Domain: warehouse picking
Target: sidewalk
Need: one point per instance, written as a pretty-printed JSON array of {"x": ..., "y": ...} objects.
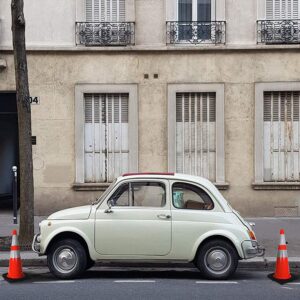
[{"x": 266, "y": 229}]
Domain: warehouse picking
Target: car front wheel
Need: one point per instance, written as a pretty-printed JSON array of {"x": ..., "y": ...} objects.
[
  {"x": 217, "y": 259},
  {"x": 67, "y": 259}
]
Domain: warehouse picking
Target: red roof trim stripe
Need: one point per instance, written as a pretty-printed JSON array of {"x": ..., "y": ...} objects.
[{"x": 148, "y": 173}]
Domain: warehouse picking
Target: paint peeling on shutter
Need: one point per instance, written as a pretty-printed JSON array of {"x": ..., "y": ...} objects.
[
  {"x": 106, "y": 136},
  {"x": 281, "y": 136},
  {"x": 196, "y": 134}
]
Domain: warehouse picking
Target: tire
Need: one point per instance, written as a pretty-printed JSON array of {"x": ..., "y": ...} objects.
[
  {"x": 67, "y": 259},
  {"x": 90, "y": 263},
  {"x": 217, "y": 259}
]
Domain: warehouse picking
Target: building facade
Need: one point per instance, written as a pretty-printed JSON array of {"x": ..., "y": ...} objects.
[{"x": 205, "y": 87}]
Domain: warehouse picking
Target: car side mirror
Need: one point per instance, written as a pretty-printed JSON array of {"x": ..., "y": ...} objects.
[{"x": 110, "y": 204}]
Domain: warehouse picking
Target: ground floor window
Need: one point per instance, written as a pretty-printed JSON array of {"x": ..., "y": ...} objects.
[
  {"x": 106, "y": 136},
  {"x": 196, "y": 130},
  {"x": 277, "y": 134},
  {"x": 106, "y": 132},
  {"x": 196, "y": 134},
  {"x": 281, "y": 136}
]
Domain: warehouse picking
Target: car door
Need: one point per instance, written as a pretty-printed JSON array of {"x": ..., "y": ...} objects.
[
  {"x": 139, "y": 222},
  {"x": 194, "y": 213}
]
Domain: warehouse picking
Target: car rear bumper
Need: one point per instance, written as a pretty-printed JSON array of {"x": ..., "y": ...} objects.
[{"x": 252, "y": 249}]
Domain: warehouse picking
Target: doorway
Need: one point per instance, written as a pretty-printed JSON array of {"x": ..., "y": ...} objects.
[{"x": 9, "y": 152}]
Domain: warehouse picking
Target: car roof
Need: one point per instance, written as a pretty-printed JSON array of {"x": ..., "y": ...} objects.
[
  {"x": 169, "y": 176},
  {"x": 178, "y": 176}
]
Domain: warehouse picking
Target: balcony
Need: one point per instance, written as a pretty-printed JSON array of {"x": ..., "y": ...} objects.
[
  {"x": 196, "y": 32},
  {"x": 278, "y": 31},
  {"x": 105, "y": 33}
]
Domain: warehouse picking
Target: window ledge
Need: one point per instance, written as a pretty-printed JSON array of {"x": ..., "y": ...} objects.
[
  {"x": 158, "y": 48},
  {"x": 276, "y": 186},
  {"x": 222, "y": 186},
  {"x": 91, "y": 186}
]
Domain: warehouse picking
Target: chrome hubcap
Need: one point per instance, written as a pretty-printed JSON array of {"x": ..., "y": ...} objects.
[
  {"x": 217, "y": 260},
  {"x": 65, "y": 259}
]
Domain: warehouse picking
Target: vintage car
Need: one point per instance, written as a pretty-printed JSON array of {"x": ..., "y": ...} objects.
[{"x": 149, "y": 217}]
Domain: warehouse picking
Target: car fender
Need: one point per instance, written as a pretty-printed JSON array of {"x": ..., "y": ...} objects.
[
  {"x": 65, "y": 229},
  {"x": 224, "y": 233}
]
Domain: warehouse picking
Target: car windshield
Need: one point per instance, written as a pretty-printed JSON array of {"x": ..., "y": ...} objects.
[{"x": 106, "y": 192}]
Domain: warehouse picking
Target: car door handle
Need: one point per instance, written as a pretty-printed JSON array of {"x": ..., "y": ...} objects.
[{"x": 162, "y": 216}]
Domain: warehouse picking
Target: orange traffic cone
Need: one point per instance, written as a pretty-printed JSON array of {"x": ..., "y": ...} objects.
[
  {"x": 282, "y": 270},
  {"x": 15, "y": 263}
]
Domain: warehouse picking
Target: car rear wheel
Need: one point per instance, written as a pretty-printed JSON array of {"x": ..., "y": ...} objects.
[
  {"x": 67, "y": 259},
  {"x": 217, "y": 259}
]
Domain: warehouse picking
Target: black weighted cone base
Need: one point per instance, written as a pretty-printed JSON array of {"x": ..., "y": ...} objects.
[
  {"x": 13, "y": 280},
  {"x": 282, "y": 281}
]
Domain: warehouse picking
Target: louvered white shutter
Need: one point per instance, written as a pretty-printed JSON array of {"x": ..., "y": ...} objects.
[
  {"x": 105, "y": 10},
  {"x": 196, "y": 134},
  {"x": 106, "y": 136},
  {"x": 281, "y": 136},
  {"x": 282, "y": 9}
]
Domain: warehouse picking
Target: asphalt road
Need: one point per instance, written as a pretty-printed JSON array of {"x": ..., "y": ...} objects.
[{"x": 131, "y": 283}]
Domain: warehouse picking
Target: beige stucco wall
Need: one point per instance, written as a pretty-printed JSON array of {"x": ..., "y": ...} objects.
[
  {"x": 53, "y": 76},
  {"x": 51, "y": 23}
]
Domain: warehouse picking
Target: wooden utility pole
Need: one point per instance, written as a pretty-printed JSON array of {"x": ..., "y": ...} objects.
[{"x": 24, "y": 123}]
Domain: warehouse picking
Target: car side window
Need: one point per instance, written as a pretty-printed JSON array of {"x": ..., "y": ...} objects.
[
  {"x": 188, "y": 196},
  {"x": 142, "y": 194},
  {"x": 121, "y": 196},
  {"x": 148, "y": 194}
]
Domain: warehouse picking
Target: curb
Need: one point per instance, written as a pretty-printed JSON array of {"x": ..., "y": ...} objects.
[{"x": 267, "y": 264}]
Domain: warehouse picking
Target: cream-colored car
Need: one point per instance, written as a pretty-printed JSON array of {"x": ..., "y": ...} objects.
[{"x": 153, "y": 217}]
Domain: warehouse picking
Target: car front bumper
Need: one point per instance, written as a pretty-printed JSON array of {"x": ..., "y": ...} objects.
[
  {"x": 36, "y": 243},
  {"x": 252, "y": 249}
]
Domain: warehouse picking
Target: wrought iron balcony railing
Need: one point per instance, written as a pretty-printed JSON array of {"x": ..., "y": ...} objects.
[
  {"x": 196, "y": 32},
  {"x": 278, "y": 31},
  {"x": 105, "y": 33}
]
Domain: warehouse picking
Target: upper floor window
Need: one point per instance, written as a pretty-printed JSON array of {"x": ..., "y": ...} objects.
[
  {"x": 105, "y": 24},
  {"x": 198, "y": 11},
  {"x": 281, "y": 24},
  {"x": 195, "y": 10},
  {"x": 196, "y": 23},
  {"x": 282, "y": 9},
  {"x": 105, "y": 10}
]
